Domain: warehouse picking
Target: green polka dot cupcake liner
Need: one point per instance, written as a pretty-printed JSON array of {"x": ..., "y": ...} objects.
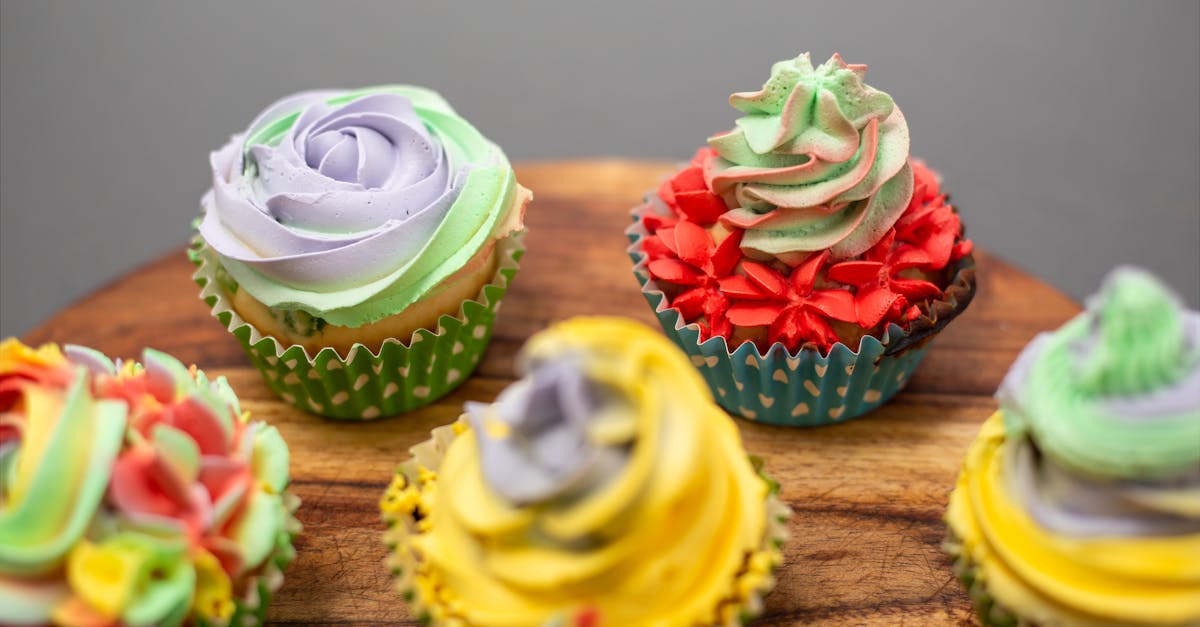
[
  {"x": 365, "y": 385},
  {"x": 795, "y": 389}
]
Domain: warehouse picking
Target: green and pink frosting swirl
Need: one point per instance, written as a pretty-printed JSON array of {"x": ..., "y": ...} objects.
[
  {"x": 818, "y": 162},
  {"x": 132, "y": 494}
]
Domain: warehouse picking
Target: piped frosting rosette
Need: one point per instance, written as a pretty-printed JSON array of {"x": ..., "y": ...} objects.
[
  {"x": 576, "y": 498},
  {"x": 340, "y": 209},
  {"x": 819, "y": 161},
  {"x": 135, "y": 494},
  {"x": 1079, "y": 502},
  {"x": 805, "y": 229}
]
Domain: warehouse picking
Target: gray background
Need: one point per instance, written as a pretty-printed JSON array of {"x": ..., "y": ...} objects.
[{"x": 1067, "y": 131}]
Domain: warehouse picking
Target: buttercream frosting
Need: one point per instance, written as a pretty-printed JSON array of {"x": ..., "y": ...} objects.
[
  {"x": 139, "y": 494},
  {"x": 1079, "y": 503},
  {"x": 819, "y": 161},
  {"x": 808, "y": 224},
  {"x": 352, "y": 205},
  {"x": 578, "y": 495}
]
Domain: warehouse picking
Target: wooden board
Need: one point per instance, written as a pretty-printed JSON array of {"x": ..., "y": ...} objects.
[{"x": 868, "y": 494}]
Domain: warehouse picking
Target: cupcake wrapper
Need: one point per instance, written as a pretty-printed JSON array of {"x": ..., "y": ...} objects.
[
  {"x": 804, "y": 388},
  {"x": 402, "y": 562},
  {"x": 364, "y": 385},
  {"x": 987, "y": 610}
]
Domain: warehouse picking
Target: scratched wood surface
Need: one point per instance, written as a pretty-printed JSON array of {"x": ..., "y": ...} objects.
[{"x": 868, "y": 494}]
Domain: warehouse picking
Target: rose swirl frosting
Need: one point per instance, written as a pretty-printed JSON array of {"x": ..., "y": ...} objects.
[
  {"x": 353, "y": 205},
  {"x": 819, "y": 161}
]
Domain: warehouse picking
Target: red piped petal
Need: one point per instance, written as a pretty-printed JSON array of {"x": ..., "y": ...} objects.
[
  {"x": 653, "y": 222},
  {"x": 915, "y": 289},
  {"x": 805, "y": 275},
  {"x": 819, "y": 330},
  {"x": 753, "y": 314},
  {"x": 872, "y": 304},
  {"x": 727, "y": 255},
  {"x": 667, "y": 237},
  {"x": 690, "y": 179},
  {"x": 654, "y": 248},
  {"x": 700, "y": 206},
  {"x": 694, "y": 245},
  {"x": 739, "y": 287},
  {"x": 674, "y": 271},
  {"x": 771, "y": 281},
  {"x": 690, "y": 304},
  {"x": 906, "y": 256},
  {"x": 837, "y": 304},
  {"x": 789, "y": 328},
  {"x": 667, "y": 193},
  {"x": 855, "y": 272},
  {"x": 882, "y": 249}
]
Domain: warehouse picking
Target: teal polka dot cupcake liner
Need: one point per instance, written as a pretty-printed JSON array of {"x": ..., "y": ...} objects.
[
  {"x": 795, "y": 389},
  {"x": 365, "y": 385}
]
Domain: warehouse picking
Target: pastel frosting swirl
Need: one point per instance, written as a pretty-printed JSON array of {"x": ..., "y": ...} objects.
[
  {"x": 353, "y": 205},
  {"x": 50, "y": 414},
  {"x": 1114, "y": 393},
  {"x": 819, "y": 161},
  {"x": 580, "y": 496},
  {"x": 1080, "y": 500},
  {"x": 131, "y": 494}
]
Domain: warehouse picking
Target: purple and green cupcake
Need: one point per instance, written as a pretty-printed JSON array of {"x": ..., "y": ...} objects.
[{"x": 357, "y": 244}]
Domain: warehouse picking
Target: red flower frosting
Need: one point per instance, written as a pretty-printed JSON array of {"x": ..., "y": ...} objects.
[
  {"x": 794, "y": 311},
  {"x": 686, "y": 255},
  {"x": 721, "y": 290},
  {"x": 689, "y": 197}
]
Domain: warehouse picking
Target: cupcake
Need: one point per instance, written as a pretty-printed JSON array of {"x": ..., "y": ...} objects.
[
  {"x": 602, "y": 488},
  {"x": 135, "y": 494},
  {"x": 1079, "y": 502},
  {"x": 803, "y": 260},
  {"x": 357, "y": 245}
]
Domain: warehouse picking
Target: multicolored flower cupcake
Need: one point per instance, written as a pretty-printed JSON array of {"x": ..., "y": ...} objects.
[
  {"x": 802, "y": 259},
  {"x": 357, "y": 244},
  {"x": 1079, "y": 502},
  {"x": 135, "y": 494},
  {"x": 577, "y": 498}
]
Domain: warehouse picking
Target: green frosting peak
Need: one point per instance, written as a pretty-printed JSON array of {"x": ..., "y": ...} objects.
[
  {"x": 1115, "y": 392},
  {"x": 802, "y": 110},
  {"x": 818, "y": 162},
  {"x": 1138, "y": 342}
]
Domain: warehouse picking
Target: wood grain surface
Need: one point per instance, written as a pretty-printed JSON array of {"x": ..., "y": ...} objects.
[{"x": 868, "y": 494}]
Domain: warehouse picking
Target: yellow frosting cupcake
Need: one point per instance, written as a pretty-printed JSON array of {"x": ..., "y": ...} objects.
[
  {"x": 1079, "y": 502},
  {"x": 603, "y": 488}
]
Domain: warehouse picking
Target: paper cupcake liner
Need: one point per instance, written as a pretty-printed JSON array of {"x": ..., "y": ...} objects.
[
  {"x": 989, "y": 612},
  {"x": 364, "y": 385},
  {"x": 403, "y": 514},
  {"x": 802, "y": 388},
  {"x": 251, "y": 609}
]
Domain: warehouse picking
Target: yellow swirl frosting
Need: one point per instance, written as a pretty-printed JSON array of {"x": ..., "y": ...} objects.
[
  {"x": 637, "y": 503},
  {"x": 1056, "y": 579}
]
